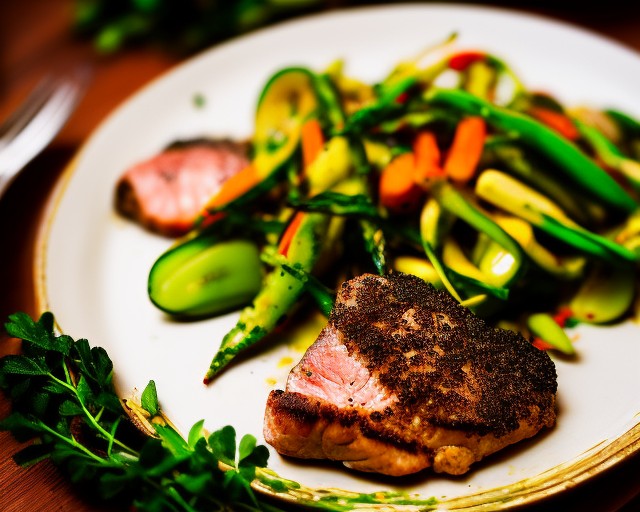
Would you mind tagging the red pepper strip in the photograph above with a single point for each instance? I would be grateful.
(289, 233)
(427, 159)
(312, 141)
(466, 149)
(402, 98)
(461, 61)
(397, 188)
(210, 218)
(541, 344)
(562, 316)
(556, 121)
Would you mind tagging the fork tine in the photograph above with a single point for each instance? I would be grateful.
(36, 124)
(27, 109)
(40, 128)
(40, 94)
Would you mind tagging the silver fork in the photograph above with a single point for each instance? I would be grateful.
(35, 123)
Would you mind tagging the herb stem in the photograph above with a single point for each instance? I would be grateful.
(175, 495)
(170, 473)
(67, 374)
(111, 438)
(72, 442)
(113, 435)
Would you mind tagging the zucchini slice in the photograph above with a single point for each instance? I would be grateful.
(287, 100)
(204, 276)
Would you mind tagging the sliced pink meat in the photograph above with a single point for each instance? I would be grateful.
(167, 192)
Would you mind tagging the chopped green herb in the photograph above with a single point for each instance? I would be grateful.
(199, 100)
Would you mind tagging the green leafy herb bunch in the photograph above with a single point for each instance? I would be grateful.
(64, 399)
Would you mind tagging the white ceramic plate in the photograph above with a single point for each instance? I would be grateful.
(92, 266)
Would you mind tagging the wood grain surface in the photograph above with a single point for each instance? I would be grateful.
(35, 37)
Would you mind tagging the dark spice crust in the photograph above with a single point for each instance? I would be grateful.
(446, 366)
(301, 410)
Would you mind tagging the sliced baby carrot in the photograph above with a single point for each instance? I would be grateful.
(556, 121)
(312, 141)
(427, 159)
(289, 233)
(466, 149)
(397, 188)
(462, 60)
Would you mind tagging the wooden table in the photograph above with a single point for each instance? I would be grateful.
(35, 38)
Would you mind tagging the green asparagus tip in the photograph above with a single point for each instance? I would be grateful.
(219, 362)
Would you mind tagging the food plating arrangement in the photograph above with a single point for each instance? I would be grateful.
(449, 230)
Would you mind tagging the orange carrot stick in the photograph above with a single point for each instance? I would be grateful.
(556, 121)
(234, 187)
(427, 159)
(466, 149)
(397, 188)
(289, 233)
(312, 141)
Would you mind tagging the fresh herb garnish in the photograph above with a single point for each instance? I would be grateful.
(63, 395)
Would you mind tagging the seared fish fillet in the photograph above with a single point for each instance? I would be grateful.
(404, 378)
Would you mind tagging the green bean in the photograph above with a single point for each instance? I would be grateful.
(453, 201)
(611, 155)
(567, 156)
(506, 154)
(385, 107)
(510, 195)
(458, 275)
(323, 296)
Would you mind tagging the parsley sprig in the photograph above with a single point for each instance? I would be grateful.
(63, 395)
